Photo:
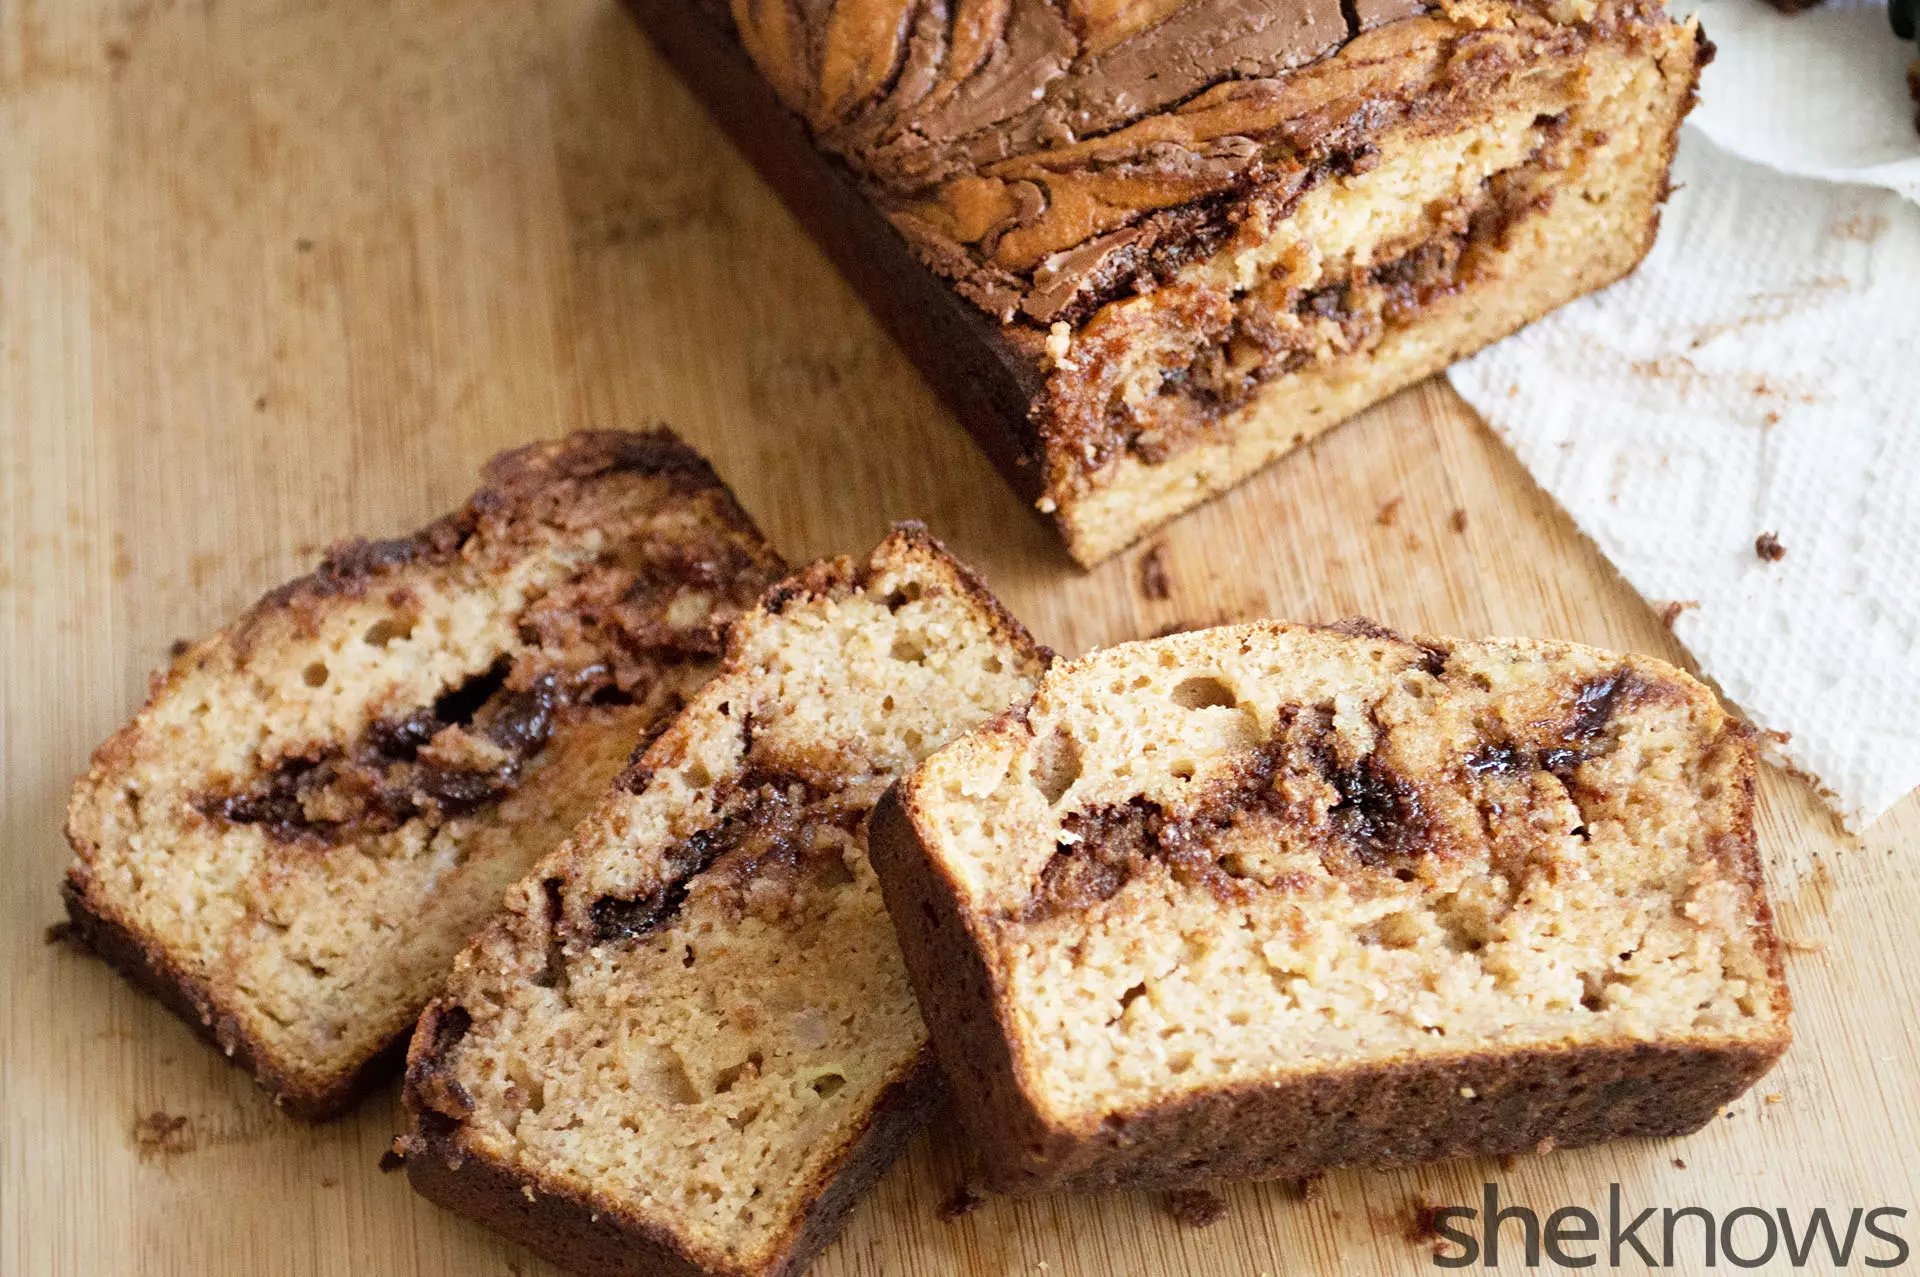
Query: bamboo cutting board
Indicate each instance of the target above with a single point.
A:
(278, 271)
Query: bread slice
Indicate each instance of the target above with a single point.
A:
(1262, 900)
(319, 804)
(688, 1044)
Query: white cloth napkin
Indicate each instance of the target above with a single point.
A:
(1760, 373)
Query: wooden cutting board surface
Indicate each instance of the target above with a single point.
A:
(278, 271)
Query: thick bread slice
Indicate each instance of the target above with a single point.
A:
(319, 804)
(688, 1044)
(1261, 900)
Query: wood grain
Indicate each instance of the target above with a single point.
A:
(277, 271)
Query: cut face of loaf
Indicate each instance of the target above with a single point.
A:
(688, 1044)
(1262, 900)
(320, 803)
(1501, 172)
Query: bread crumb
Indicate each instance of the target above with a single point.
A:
(160, 1133)
(1424, 1228)
(1309, 1188)
(1679, 1163)
(1156, 582)
(329, 1181)
(1545, 1146)
(1670, 612)
(391, 1161)
(1060, 344)
(1388, 513)
(961, 1201)
(1196, 1207)
(1458, 520)
(1776, 1098)
(1508, 1161)
(1768, 547)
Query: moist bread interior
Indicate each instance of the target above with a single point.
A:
(1243, 855)
(322, 802)
(689, 1013)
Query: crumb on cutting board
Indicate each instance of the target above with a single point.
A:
(160, 1133)
(1196, 1207)
(1156, 580)
(961, 1201)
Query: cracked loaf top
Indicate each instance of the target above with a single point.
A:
(1049, 155)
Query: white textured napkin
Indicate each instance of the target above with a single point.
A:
(1760, 373)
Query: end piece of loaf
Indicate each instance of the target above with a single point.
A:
(688, 1043)
(1145, 247)
(319, 804)
(1267, 899)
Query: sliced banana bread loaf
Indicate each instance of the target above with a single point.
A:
(319, 804)
(1261, 900)
(687, 1044)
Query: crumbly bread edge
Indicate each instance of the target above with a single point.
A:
(597, 1237)
(595, 1234)
(516, 476)
(1475, 1103)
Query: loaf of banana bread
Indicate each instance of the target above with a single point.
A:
(319, 804)
(1268, 899)
(1146, 247)
(687, 1044)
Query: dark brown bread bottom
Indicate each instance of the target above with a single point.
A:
(1478, 1105)
(596, 1239)
(1472, 1105)
(150, 971)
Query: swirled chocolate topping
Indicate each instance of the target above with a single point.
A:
(1017, 143)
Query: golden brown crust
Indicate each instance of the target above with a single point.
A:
(522, 487)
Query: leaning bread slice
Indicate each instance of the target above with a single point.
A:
(319, 804)
(688, 1044)
(1261, 900)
